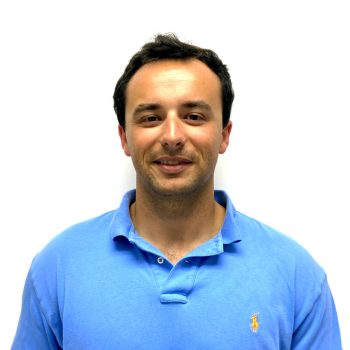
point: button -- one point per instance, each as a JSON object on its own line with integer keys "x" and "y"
{"x": 188, "y": 261}
{"x": 160, "y": 260}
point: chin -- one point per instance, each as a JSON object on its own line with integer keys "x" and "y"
{"x": 176, "y": 189}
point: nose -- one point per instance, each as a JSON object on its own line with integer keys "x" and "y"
{"x": 173, "y": 135}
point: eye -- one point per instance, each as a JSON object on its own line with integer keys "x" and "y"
{"x": 194, "y": 118}
{"x": 150, "y": 119}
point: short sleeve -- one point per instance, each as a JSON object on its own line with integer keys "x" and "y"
{"x": 320, "y": 329}
{"x": 33, "y": 331}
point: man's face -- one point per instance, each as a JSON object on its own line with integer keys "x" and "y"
{"x": 173, "y": 126}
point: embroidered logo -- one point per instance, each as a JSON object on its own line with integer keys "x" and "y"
{"x": 254, "y": 322}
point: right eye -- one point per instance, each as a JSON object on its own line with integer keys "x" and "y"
{"x": 151, "y": 118}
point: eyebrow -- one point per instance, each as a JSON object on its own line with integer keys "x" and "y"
{"x": 146, "y": 107}
{"x": 200, "y": 104}
{"x": 154, "y": 106}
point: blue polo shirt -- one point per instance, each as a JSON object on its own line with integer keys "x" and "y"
{"x": 99, "y": 285}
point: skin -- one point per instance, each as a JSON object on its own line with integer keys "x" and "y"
{"x": 174, "y": 134}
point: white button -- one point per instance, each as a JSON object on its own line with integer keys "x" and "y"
{"x": 187, "y": 261}
{"x": 160, "y": 260}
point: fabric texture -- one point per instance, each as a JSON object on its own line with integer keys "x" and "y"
{"x": 100, "y": 285}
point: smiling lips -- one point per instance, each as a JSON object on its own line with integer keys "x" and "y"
{"x": 172, "y": 165}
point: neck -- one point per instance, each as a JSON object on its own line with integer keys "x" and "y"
{"x": 176, "y": 224}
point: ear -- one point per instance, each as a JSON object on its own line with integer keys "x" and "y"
{"x": 226, "y": 131}
{"x": 123, "y": 140}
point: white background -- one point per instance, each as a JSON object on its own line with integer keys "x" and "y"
{"x": 61, "y": 163}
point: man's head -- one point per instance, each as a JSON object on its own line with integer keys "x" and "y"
{"x": 172, "y": 123}
{"x": 170, "y": 47}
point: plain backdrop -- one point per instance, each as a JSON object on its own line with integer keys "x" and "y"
{"x": 61, "y": 161}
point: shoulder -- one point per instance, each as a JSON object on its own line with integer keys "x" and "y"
{"x": 268, "y": 240}
{"x": 75, "y": 241}
{"x": 283, "y": 256}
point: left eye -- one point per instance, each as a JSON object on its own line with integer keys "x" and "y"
{"x": 193, "y": 117}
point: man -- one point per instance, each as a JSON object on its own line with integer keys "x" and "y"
{"x": 176, "y": 266}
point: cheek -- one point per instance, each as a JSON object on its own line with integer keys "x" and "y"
{"x": 140, "y": 143}
{"x": 208, "y": 141}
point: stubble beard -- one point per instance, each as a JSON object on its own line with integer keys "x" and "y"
{"x": 173, "y": 188}
{"x": 172, "y": 202}
{"x": 177, "y": 187}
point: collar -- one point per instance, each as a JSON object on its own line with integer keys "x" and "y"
{"x": 121, "y": 224}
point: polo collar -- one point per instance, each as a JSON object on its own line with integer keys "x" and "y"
{"x": 229, "y": 232}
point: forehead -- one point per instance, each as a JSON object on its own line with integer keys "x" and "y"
{"x": 189, "y": 77}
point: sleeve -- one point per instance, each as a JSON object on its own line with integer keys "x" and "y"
{"x": 319, "y": 330}
{"x": 33, "y": 330}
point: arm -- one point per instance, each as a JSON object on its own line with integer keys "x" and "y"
{"x": 35, "y": 329}
{"x": 319, "y": 330}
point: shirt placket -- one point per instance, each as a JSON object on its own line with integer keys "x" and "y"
{"x": 175, "y": 282}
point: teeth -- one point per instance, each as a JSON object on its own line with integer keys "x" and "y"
{"x": 169, "y": 162}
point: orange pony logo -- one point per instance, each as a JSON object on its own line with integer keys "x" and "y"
{"x": 254, "y": 322}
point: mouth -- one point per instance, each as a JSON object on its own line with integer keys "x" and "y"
{"x": 172, "y": 165}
